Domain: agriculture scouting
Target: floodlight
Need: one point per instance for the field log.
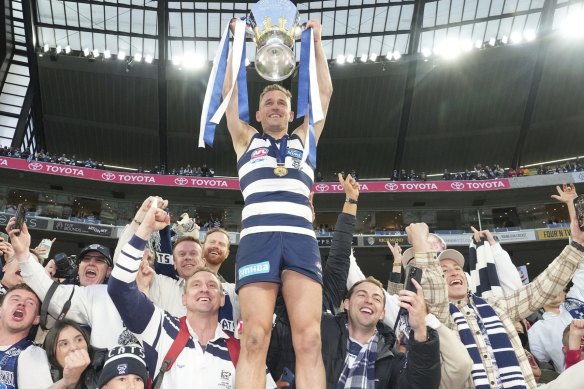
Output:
(389, 56)
(148, 58)
(478, 44)
(529, 35)
(121, 54)
(95, 53)
(340, 59)
(516, 37)
(138, 57)
(572, 26)
(59, 49)
(373, 57)
(107, 54)
(426, 52)
(505, 39)
(492, 41)
(363, 57)
(396, 55)
(67, 49)
(350, 58)
(46, 48)
(86, 52)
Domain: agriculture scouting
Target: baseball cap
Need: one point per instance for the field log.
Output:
(100, 249)
(407, 256)
(456, 256)
(124, 360)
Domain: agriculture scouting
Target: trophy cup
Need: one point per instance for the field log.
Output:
(275, 28)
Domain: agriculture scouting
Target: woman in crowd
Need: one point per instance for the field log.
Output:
(68, 339)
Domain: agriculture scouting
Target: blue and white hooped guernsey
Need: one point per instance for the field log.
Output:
(275, 203)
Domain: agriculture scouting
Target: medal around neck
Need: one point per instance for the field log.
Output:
(280, 170)
(275, 25)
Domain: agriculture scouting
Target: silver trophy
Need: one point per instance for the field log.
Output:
(275, 27)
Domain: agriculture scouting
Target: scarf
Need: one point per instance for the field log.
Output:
(508, 367)
(575, 307)
(483, 271)
(360, 374)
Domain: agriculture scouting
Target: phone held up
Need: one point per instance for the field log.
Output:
(20, 217)
(579, 205)
(288, 376)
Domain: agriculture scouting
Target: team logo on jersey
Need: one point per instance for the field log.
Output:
(294, 153)
(259, 153)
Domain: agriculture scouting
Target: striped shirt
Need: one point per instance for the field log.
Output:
(200, 368)
(275, 203)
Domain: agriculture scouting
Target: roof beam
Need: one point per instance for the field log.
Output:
(162, 86)
(34, 86)
(545, 31)
(415, 34)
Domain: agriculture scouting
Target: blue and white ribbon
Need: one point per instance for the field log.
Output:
(308, 94)
(213, 110)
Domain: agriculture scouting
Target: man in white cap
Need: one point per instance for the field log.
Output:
(486, 327)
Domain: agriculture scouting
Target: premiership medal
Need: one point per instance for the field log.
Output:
(280, 170)
(281, 152)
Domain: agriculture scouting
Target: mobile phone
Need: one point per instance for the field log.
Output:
(20, 217)
(579, 205)
(415, 273)
(288, 377)
(47, 243)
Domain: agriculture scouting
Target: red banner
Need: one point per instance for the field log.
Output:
(417, 186)
(119, 177)
(233, 183)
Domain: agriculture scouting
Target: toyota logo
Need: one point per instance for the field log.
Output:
(108, 176)
(321, 187)
(391, 186)
(181, 181)
(457, 185)
(36, 166)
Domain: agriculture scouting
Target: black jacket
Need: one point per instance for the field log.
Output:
(422, 369)
(334, 278)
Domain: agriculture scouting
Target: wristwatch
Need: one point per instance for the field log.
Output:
(351, 201)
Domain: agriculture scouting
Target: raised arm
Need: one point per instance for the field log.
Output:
(136, 310)
(325, 84)
(550, 283)
(35, 276)
(336, 271)
(240, 131)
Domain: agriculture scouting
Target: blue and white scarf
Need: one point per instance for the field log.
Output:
(508, 368)
(575, 307)
(483, 271)
(359, 370)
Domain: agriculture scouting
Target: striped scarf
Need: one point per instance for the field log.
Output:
(483, 271)
(508, 367)
(360, 372)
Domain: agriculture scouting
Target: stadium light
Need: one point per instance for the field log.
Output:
(121, 54)
(107, 54)
(350, 58)
(341, 59)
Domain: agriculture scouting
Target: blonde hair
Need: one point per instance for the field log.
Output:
(276, 87)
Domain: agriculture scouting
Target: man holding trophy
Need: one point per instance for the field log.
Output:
(276, 171)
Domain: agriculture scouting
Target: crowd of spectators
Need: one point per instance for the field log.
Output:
(478, 172)
(42, 156)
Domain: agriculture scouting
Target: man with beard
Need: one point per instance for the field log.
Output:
(187, 255)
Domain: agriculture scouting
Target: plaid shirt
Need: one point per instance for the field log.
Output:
(514, 307)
